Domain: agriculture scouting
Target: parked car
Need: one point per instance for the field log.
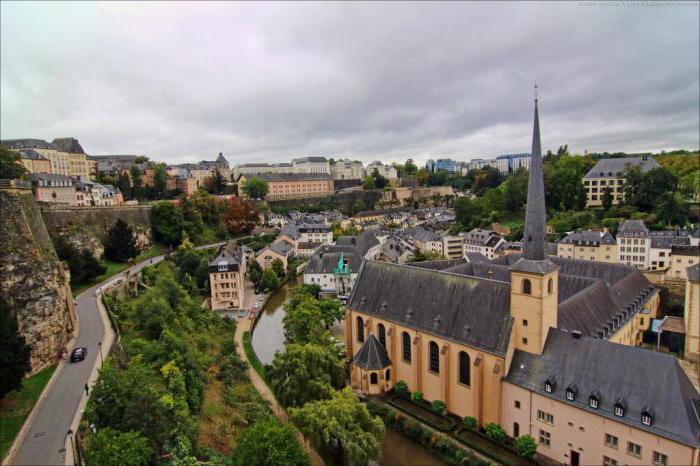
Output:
(78, 354)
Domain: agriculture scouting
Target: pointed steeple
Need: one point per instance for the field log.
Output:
(535, 233)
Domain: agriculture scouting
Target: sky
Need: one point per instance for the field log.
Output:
(266, 82)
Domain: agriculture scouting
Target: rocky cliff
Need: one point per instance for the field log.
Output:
(33, 280)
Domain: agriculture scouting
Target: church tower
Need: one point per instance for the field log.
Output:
(534, 279)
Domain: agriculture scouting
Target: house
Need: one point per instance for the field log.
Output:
(541, 345)
(427, 240)
(609, 175)
(485, 242)
(59, 189)
(281, 250)
(648, 250)
(311, 165)
(387, 171)
(682, 257)
(591, 245)
(34, 162)
(346, 170)
(227, 277)
(62, 162)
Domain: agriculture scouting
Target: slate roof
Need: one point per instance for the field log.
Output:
(362, 242)
(442, 264)
(281, 177)
(534, 230)
(644, 379)
(31, 154)
(460, 308)
(27, 143)
(614, 167)
(308, 245)
(326, 259)
(666, 242)
(693, 273)
(310, 159)
(372, 355)
(230, 257)
(685, 250)
(282, 247)
(424, 235)
(70, 145)
(588, 237)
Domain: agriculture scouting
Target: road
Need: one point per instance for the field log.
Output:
(44, 443)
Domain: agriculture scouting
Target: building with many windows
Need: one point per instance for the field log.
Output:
(609, 175)
(59, 189)
(227, 277)
(291, 185)
(311, 165)
(346, 170)
(484, 242)
(543, 346)
(591, 245)
(34, 162)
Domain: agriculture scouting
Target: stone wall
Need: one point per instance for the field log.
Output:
(32, 279)
(342, 201)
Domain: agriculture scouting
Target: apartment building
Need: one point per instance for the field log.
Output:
(485, 242)
(591, 245)
(227, 278)
(387, 171)
(682, 257)
(346, 170)
(311, 165)
(453, 246)
(427, 240)
(609, 174)
(691, 316)
(291, 185)
(34, 162)
(59, 189)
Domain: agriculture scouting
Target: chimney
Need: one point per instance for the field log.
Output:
(576, 335)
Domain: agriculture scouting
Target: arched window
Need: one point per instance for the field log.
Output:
(373, 378)
(464, 373)
(360, 329)
(434, 357)
(388, 375)
(382, 334)
(406, 346)
(550, 286)
(527, 286)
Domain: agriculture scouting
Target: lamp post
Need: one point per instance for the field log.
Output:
(99, 345)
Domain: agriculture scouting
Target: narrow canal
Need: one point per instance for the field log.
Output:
(268, 339)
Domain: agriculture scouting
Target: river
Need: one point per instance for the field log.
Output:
(268, 339)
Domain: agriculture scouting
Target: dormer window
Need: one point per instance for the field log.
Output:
(594, 401)
(571, 392)
(549, 385)
(647, 417)
(620, 408)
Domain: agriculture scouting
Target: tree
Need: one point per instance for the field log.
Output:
(671, 209)
(525, 446)
(368, 182)
(10, 164)
(268, 443)
(269, 280)
(607, 198)
(136, 181)
(303, 321)
(331, 311)
(124, 185)
(515, 190)
(255, 188)
(215, 183)
(14, 352)
(305, 373)
(342, 424)
(255, 273)
(167, 222)
(410, 168)
(278, 267)
(160, 181)
(83, 265)
(651, 186)
(380, 182)
(241, 216)
(120, 244)
(110, 447)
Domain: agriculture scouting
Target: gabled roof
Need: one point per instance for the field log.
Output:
(310, 159)
(643, 379)
(372, 355)
(27, 143)
(461, 308)
(616, 167)
(589, 237)
(70, 145)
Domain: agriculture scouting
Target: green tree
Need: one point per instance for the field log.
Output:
(167, 222)
(515, 190)
(14, 352)
(255, 273)
(120, 244)
(278, 267)
(410, 168)
(110, 447)
(215, 183)
(368, 182)
(10, 164)
(255, 188)
(525, 446)
(160, 181)
(342, 424)
(304, 373)
(331, 311)
(380, 182)
(124, 185)
(269, 280)
(467, 211)
(83, 265)
(136, 182)
(268, 443)
(607, 198)
(652, 185)
(671, 209)
(303, 320)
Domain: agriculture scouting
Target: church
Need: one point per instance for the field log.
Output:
(543, 346)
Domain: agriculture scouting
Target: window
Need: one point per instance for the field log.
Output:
(570, 395)
(517, 404)
(609, 461)
(550, 286)
(406, 346)
(545, 417)
(388, 375)
(360, 329)
(610, 441)
(434, 357)
(524, 322)
(646, 417)
(619, 409)
(545, 438)
(549, 385)
(659, 459)
(464, 373)
(527, 286)
(373, 378)
(382, 334)
(524, 340)
(634, 449)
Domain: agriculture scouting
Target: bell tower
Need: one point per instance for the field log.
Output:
(534, 279)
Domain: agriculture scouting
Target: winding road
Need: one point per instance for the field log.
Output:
(45, 439)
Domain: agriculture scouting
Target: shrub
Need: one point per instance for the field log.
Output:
(438, 406)
(495, 432)
(470, 422)
(413, 429)
(525, 446)
(401, 387)
(416, 397)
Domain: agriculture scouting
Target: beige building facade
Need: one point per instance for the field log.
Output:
(691, 316)
(609, 175)
(227, 278)
(588, 245)
(291, 185)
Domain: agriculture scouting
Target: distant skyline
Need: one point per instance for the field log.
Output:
(267, 82)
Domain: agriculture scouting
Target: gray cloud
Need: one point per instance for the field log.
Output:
(268, 81)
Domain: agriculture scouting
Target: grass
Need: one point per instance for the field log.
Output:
(114, 268)
(17, 405)
(252, 358)
(424, 414)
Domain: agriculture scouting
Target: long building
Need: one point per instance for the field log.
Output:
(291, 185)
(542, 346)
(609, 175)
(65, 155)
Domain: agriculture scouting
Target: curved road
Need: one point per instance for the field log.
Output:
(44, 443)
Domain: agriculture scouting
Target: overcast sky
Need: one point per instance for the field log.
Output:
(270, 81)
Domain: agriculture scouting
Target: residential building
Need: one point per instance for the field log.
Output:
(543, 346)
(59, 189)
(691, 316)
(510, 163)
(591, 245)
(227, 278)
(484, 242)
(427, 241)
(346, 170)
(682, 257)
(281, 250)
(258, 168)
(60, 161)
(453, 246)
(651, 250)
(291, 185)
(116, 164)
(387, 171)
(609, 174)
(34, 162)
(311, 165)
(447, 165)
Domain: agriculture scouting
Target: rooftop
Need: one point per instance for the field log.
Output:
(616, 167)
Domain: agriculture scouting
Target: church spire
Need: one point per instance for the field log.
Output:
(534, 240)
